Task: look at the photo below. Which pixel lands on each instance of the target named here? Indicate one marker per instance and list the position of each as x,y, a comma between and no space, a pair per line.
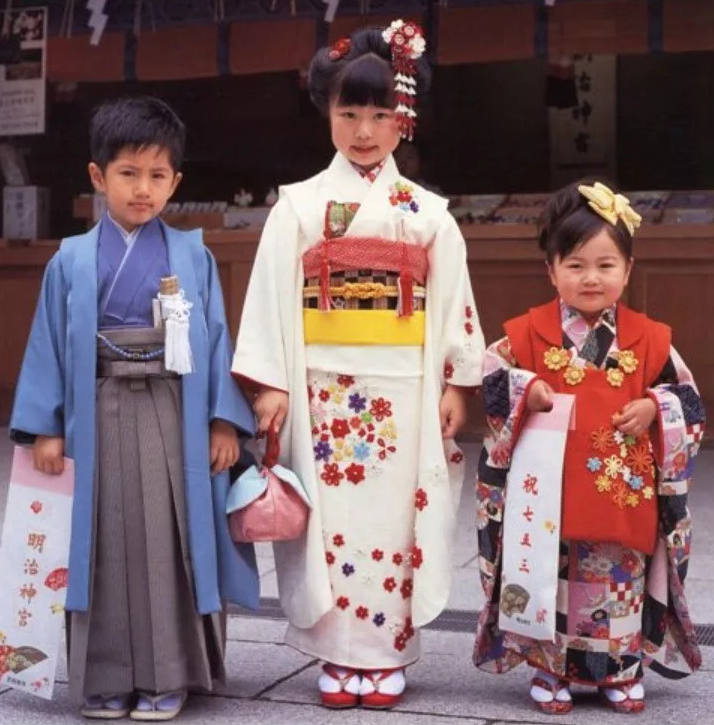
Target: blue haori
56,391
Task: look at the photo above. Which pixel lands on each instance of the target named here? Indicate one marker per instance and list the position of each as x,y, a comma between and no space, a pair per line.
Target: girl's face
593,276
364,134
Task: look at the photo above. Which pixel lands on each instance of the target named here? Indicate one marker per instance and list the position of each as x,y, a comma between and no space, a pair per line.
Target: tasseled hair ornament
407,44
175,311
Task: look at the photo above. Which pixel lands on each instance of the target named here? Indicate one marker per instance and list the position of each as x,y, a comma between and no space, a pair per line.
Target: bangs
368,81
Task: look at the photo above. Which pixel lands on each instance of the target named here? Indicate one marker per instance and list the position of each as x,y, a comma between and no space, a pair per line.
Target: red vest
609,481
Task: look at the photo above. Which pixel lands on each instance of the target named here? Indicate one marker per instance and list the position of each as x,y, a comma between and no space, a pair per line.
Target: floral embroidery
379,619
401,195
362,612
627,361
639,459
615,377
417,557
625,476
574,375
345,437
329,558
457,457
378,555
338,540
448,370
469,312
601,439
397,559
469,328
355,473
613,465
390,584
555,358
402,639
331,474
421,500
343,603
348,569
406,588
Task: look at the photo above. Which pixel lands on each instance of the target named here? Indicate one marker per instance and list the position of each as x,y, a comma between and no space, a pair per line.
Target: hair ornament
610,206
340,49
407,45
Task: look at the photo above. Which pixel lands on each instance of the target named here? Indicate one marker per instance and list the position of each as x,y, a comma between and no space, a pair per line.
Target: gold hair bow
611,206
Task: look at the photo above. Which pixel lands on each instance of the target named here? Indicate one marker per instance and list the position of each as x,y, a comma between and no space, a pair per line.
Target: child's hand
225,448
452,411
270,406
540,397
48,455
636,417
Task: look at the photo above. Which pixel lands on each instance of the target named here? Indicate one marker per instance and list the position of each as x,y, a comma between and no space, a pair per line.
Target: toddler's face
364,134
137,185
593,276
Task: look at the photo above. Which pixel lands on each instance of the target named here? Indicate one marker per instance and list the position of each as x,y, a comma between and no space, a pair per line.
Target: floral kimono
360,307
617,608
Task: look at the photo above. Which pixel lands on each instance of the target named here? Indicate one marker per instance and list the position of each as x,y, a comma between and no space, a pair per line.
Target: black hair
135,124
567,222
363,77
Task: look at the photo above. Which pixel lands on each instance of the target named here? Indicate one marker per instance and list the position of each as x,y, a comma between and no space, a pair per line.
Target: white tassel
175,310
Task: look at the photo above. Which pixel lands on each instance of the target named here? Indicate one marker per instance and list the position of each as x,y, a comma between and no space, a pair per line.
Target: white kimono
363,430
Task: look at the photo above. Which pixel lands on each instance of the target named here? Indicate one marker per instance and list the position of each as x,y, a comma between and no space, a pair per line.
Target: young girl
359,334
628,464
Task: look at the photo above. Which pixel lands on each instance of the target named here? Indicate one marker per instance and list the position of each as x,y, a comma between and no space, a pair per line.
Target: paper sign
34,556
531,526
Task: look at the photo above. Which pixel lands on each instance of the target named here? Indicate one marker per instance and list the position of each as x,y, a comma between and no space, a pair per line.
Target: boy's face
364,134
137,185
593,276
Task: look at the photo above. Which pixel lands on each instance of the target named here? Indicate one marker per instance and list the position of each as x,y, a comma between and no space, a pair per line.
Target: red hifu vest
609,480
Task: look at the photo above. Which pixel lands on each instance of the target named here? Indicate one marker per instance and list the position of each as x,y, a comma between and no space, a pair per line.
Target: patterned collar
577,329
372,174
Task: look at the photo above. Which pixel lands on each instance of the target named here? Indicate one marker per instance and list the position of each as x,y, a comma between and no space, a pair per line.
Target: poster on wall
23,54
583,138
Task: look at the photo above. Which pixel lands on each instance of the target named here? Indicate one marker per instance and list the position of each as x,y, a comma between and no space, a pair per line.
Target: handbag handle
272,446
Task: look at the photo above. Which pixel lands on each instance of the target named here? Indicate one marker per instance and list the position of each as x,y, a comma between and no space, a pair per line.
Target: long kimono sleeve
680,422
40,392
226,399
462,344
260,355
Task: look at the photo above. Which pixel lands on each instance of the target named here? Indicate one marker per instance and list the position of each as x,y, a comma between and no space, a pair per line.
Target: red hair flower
340,49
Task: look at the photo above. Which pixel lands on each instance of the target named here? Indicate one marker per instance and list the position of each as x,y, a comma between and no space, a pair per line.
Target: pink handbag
267,503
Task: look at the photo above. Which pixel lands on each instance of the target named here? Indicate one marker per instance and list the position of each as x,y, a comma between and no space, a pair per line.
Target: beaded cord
143,356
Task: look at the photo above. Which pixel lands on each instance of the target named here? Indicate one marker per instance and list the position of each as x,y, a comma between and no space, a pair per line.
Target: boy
149,532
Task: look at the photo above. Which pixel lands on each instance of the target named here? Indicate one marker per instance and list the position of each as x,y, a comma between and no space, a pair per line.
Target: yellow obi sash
363,327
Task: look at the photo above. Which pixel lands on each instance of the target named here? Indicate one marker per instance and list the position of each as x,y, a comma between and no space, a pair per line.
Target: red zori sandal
339,686
382,689
628,699
550,694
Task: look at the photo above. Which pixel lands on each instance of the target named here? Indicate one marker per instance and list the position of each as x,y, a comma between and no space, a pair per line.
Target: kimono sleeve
260,354
680,421
40,391
505,391
462,345
227,400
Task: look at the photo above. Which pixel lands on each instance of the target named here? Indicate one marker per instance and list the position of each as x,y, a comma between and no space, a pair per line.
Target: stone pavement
271,684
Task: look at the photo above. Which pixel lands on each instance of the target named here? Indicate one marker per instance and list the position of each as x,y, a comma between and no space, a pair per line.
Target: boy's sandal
339,686
158,708
382,689
106,707
554,706
632,702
